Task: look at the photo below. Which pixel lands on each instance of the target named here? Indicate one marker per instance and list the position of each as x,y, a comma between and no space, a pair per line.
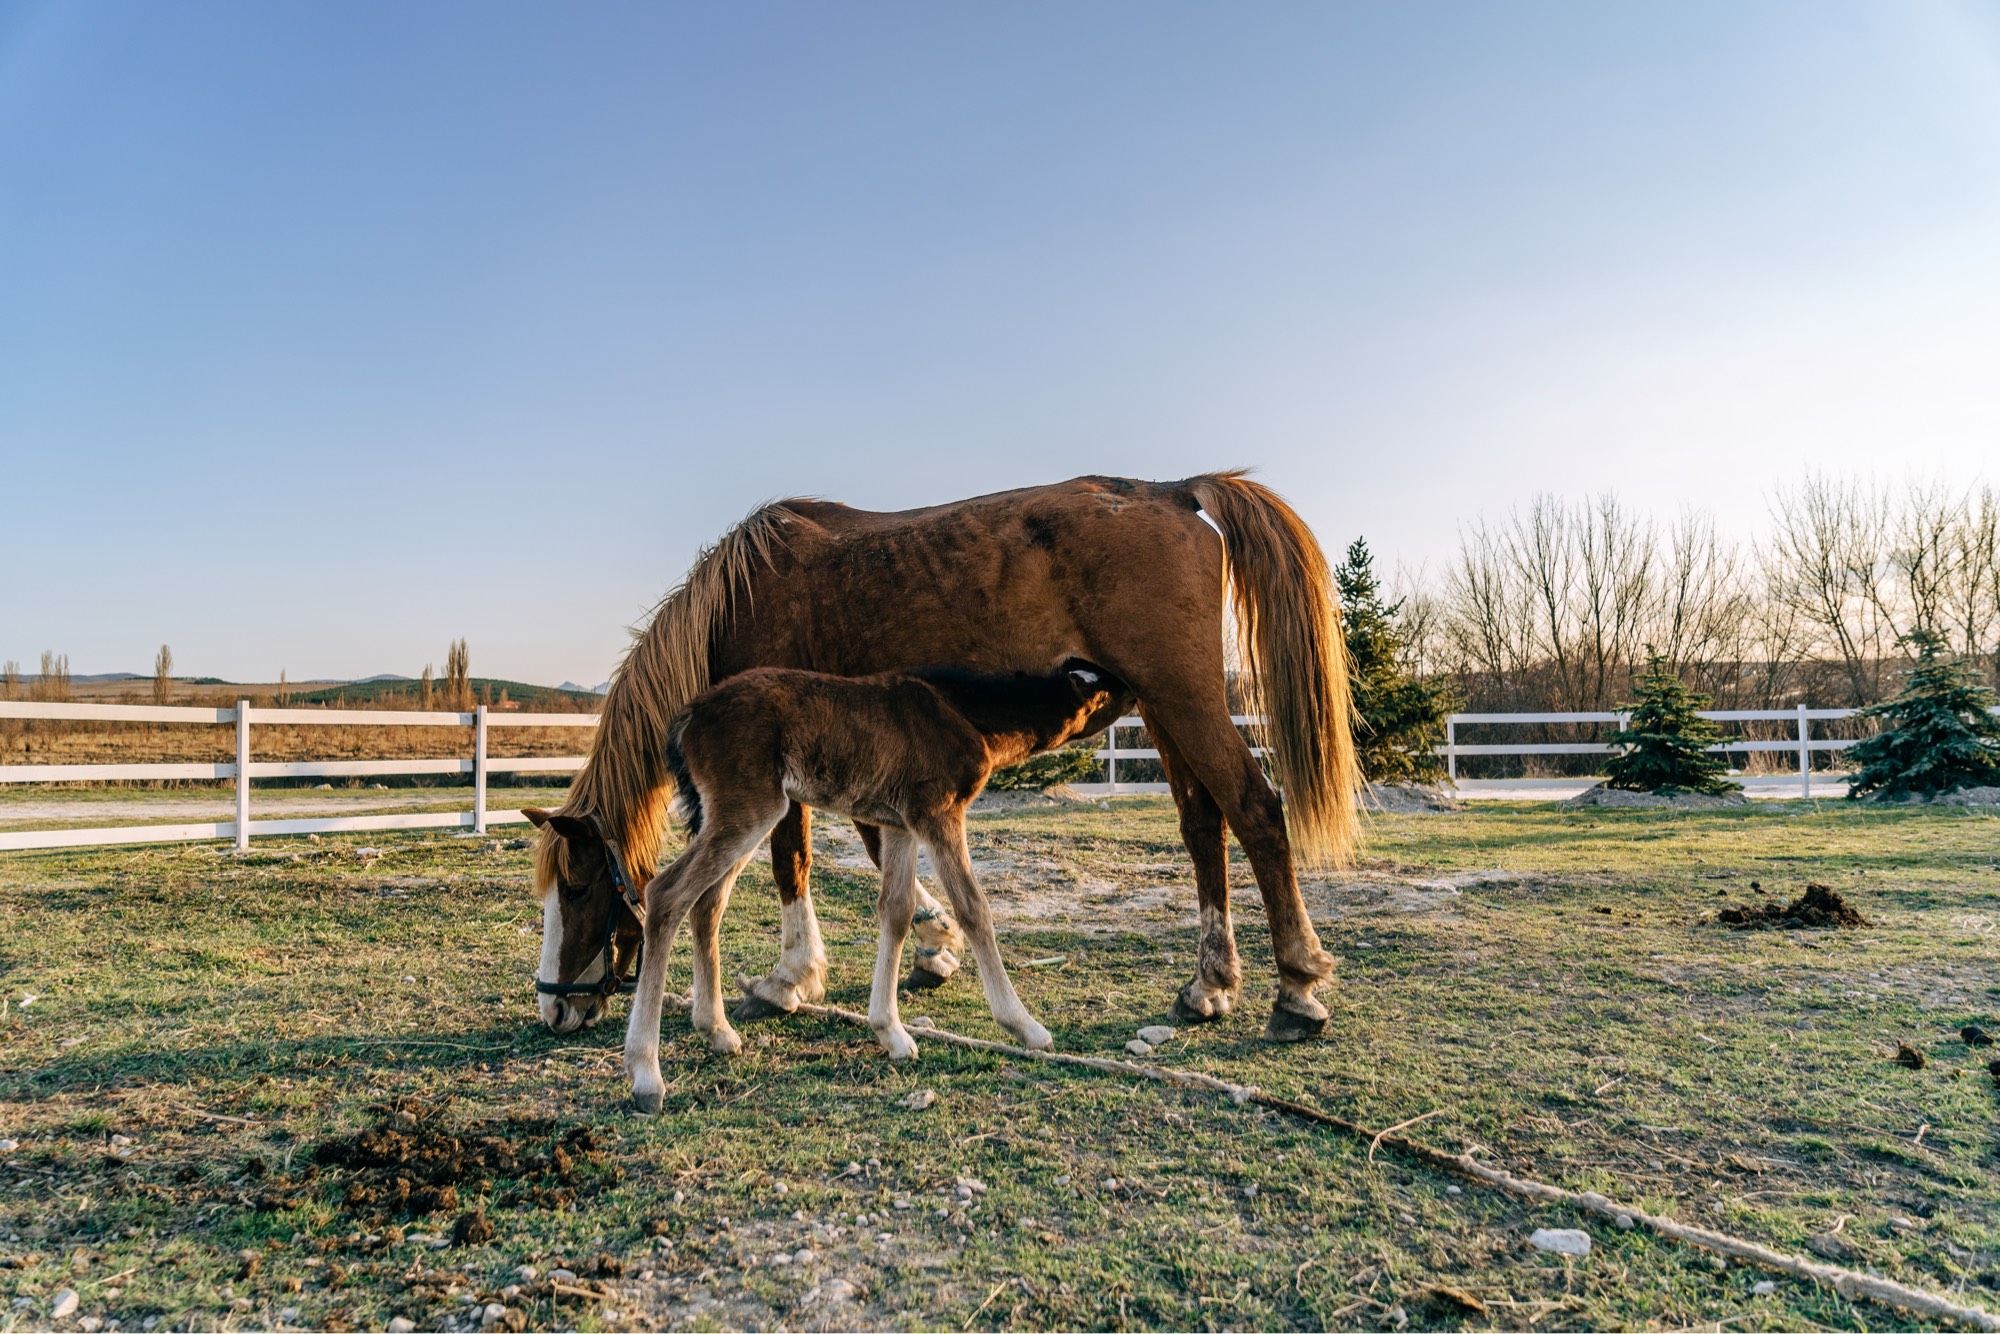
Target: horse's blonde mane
626,782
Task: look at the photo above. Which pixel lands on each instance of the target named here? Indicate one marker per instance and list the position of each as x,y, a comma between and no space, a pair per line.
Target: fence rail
244,770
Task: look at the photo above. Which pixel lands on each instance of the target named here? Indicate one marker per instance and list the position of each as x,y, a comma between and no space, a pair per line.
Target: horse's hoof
754,1007
649,1102
923,979
1291,1026
1205,1007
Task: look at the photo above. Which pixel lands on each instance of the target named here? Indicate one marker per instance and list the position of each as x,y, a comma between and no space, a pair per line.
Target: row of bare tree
1554,607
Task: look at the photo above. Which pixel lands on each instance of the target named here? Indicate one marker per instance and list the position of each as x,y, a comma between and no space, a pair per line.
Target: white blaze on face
551,954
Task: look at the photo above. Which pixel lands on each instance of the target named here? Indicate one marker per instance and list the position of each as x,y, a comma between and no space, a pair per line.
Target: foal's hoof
923,979
648,1102
1291,1026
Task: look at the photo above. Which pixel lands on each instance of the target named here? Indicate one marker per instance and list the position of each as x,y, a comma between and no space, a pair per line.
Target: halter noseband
609,984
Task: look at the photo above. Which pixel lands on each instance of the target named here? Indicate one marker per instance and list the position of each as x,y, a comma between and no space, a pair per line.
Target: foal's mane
626,782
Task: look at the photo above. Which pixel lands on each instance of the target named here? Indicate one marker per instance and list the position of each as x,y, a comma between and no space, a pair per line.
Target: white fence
1803,744
479,765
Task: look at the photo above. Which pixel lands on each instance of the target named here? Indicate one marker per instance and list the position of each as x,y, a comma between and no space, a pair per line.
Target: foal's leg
710,860
893,911
1218,976
705,925
945,837
800,976
938,939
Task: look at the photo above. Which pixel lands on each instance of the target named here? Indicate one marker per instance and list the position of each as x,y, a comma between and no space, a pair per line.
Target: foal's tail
1294,659
687,797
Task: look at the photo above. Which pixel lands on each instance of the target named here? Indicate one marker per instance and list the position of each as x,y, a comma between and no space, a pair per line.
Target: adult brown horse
1122,573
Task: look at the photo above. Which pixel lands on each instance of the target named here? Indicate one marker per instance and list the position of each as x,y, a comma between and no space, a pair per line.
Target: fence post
242,774
1111,760
479,769
1805,755
1451,748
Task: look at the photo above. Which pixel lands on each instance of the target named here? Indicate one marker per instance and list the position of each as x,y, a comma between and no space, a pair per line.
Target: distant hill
585,690
377,691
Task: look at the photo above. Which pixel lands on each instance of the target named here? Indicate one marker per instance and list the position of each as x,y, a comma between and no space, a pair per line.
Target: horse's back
1016,580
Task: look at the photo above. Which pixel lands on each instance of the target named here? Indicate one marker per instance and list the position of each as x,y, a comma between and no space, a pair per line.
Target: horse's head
589,937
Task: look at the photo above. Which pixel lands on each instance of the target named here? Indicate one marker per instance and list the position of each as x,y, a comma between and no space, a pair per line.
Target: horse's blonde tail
1294,659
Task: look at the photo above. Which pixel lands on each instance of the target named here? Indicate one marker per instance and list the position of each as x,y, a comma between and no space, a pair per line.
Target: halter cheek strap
630,897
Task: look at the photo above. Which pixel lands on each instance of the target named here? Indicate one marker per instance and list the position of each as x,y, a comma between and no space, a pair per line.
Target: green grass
229,1014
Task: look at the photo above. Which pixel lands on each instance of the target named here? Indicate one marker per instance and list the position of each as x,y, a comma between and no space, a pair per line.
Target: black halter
609,984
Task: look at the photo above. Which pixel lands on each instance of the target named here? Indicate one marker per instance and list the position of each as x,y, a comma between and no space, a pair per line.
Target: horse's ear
537,817
573,829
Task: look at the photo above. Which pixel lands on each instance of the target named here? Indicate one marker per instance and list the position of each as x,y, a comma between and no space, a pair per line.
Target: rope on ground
1848,1283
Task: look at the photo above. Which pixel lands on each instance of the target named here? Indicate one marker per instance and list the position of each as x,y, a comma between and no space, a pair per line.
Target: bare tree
52,686
458,677
10,680
163,675
1827,562
426,688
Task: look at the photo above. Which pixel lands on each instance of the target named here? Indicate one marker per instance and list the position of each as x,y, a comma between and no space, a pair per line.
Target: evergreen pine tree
1938,736
1667,740
1398,716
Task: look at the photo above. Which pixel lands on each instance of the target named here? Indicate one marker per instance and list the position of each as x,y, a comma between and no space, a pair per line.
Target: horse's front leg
945,838
893,911
938,938
800,977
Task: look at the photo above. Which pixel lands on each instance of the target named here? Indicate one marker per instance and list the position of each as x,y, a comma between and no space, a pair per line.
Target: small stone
1138,1048
1408,1219
781,1259
1454,1190
119,1141
923,1021
805,1255
1560,1240
90,1324
1112,1183
9,1145
401,1324
1763,1288
365,853
780,1188
919,1100
511,1291
1156,1034
64,1305
833,1292
490,1316
1250,1191
289,1316
972,1185
527,1273
562,1276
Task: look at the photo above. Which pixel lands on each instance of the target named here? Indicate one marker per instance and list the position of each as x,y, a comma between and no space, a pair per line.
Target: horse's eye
574,893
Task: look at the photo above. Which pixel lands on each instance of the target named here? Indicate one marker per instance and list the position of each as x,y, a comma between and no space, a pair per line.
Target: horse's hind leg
800,977
938,939
945,837
1218,977
893,911
1219,759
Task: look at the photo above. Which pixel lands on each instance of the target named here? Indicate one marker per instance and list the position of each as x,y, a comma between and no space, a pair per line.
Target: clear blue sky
330,332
